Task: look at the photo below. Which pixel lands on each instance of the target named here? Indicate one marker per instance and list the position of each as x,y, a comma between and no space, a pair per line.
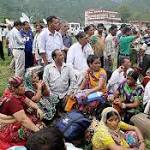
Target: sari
91,82
47,103
93,79
104,136
12,132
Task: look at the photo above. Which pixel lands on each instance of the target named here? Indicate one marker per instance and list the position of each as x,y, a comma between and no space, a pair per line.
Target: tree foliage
73,10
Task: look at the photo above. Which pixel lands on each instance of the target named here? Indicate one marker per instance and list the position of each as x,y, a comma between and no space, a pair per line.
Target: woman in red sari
22,121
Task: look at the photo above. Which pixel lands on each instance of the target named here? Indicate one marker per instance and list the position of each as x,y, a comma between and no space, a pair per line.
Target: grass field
5,72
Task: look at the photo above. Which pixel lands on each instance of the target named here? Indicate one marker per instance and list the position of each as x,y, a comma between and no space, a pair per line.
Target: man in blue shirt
28,35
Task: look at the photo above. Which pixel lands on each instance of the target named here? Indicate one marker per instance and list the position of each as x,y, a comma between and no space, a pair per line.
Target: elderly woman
129,96
37,91
23,116
108,135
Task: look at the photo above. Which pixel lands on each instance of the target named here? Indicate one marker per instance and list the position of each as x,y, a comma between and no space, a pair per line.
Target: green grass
5,72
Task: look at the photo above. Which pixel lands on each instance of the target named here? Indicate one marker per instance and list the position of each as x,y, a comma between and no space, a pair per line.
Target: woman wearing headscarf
129,96
23,116
38,92
109,136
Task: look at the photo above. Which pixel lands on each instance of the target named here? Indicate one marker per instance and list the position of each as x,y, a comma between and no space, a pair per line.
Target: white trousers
19,58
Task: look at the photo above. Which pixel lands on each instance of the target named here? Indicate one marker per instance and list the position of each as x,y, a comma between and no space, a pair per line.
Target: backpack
72,125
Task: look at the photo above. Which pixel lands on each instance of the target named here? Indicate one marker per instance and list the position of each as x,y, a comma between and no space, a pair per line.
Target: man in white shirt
146,50
50,39
7,34
146,98
78,53
35,46
18,45
119,75
58,76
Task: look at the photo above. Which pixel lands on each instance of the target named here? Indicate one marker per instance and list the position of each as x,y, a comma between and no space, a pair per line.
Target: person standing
125,43
110,53
1,46
8,40
18,46
35,47
78,53
145,50
67,39
7,34
98,43
28,35
50,39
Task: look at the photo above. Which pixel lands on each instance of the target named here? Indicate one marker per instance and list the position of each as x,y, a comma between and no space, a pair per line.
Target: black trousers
28,59
1,50
146,63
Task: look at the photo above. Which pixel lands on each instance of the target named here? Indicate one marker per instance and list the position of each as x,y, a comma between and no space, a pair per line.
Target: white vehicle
74,28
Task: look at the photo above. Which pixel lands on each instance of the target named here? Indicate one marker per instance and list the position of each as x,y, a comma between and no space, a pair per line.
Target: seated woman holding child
23,115
38,92
108,134
129,96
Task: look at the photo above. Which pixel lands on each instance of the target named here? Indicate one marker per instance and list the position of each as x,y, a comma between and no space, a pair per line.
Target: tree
124,12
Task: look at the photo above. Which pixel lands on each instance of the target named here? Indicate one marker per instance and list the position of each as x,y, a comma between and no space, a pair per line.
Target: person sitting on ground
119,75
38,92
95,78
146,79
146,98
108,134
24,120
59,77
129,96
94,81
50,139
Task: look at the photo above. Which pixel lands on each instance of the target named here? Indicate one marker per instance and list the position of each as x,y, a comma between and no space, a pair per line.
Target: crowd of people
104,75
